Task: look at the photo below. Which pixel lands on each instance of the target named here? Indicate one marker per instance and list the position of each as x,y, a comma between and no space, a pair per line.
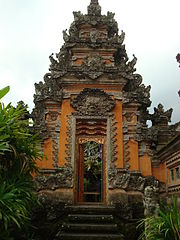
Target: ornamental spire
94,9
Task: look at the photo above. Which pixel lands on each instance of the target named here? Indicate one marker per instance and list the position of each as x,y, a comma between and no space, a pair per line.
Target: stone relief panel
93,34
129,181
130,130
53,124
62,178
93,102
69,133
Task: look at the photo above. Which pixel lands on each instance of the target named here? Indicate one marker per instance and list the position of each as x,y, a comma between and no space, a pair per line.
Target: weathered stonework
151,201
129,181
62,178
92,92
92,79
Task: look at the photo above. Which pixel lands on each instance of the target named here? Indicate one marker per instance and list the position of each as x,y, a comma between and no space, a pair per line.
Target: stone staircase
89,222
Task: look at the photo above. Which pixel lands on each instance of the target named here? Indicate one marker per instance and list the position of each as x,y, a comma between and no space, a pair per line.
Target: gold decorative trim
94,139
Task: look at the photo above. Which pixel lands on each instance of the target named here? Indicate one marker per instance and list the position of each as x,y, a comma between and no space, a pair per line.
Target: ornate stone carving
120,39
113,139
94,36
61,179
129,181
161,132
94,8
131,64
121,58
77,15
50,90
56,140
151,201
93,65
93,62
65,35
93,102
161,117
69,142
126,154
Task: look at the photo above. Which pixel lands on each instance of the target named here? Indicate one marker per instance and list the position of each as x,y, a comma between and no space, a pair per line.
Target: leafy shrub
19,150
165,226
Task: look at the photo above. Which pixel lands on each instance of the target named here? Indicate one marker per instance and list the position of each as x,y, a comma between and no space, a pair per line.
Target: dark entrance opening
90,172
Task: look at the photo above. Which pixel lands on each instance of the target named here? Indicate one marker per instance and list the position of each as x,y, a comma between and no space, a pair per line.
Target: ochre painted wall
133,155
159,172
119,131
47,162
145,165
65,111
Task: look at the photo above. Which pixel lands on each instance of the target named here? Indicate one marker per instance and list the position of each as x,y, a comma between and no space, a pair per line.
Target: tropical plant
19,150
4,91
165,226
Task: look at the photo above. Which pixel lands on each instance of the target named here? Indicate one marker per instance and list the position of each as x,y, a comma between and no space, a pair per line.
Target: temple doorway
90,171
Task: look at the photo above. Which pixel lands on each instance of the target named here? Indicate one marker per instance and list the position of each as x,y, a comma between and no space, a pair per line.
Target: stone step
81,236
90,209
90,228
88,218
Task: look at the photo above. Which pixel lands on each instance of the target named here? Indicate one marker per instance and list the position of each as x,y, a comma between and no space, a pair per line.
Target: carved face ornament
94,35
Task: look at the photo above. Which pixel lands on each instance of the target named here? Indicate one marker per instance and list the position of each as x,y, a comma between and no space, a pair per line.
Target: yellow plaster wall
133,155
145,165
66,110
119,131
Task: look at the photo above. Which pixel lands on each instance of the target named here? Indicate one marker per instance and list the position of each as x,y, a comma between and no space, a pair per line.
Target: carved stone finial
161,117
94,9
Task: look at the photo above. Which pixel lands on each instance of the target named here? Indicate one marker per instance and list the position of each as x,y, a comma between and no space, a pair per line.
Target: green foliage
19,150
14,202
166,226
4,91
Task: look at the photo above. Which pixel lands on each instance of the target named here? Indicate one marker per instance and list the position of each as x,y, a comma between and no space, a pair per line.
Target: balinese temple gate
91,111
